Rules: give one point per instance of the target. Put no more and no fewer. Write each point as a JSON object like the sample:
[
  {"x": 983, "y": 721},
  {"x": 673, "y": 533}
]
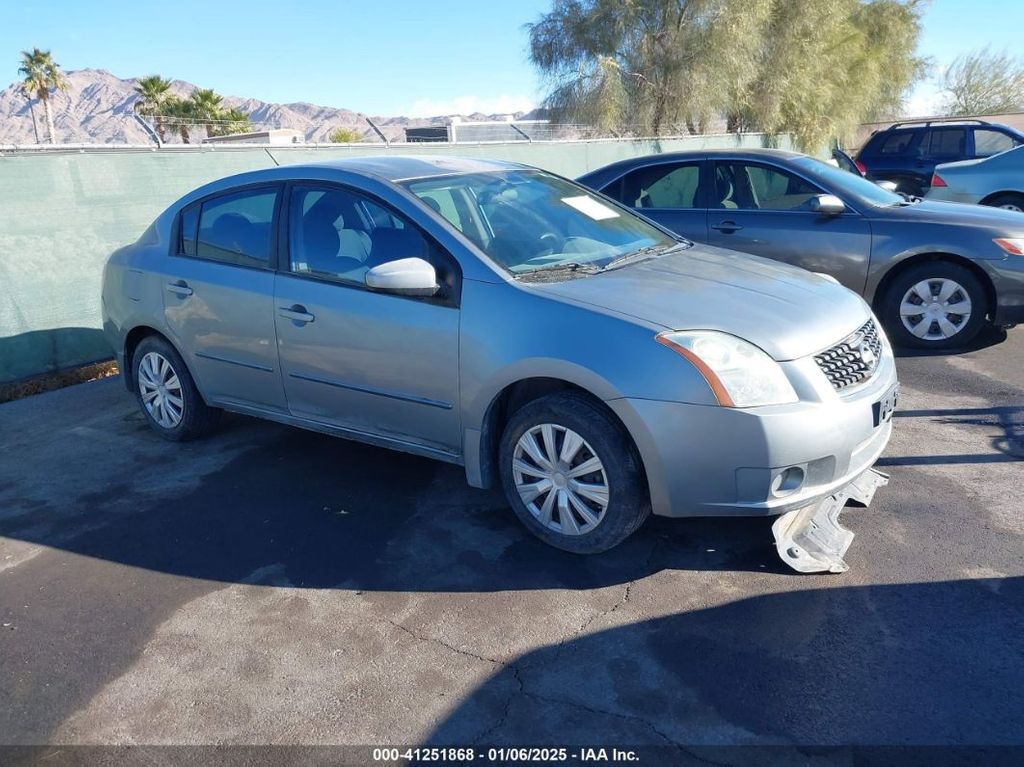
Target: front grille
[{"x": 853, "y": 359}]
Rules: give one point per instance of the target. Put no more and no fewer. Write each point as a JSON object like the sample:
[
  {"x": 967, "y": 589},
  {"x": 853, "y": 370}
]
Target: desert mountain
[{"x": 97, "y": 108}]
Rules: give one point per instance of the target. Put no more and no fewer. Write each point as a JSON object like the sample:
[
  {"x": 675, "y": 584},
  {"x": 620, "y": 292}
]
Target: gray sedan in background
[
  {"x": 505, "y": 319},
  {"x": 935, "y": 273},
  {"x": 997, "y": 181}
]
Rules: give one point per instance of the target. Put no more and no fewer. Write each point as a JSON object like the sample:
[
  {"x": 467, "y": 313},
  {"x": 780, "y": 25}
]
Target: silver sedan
[{"x": 502, "y": 318}]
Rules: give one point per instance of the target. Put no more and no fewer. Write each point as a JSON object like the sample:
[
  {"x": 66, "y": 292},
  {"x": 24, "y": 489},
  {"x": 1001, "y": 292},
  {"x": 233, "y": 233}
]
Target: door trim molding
[
  {"x": 378, "y": 392},
  {"x": 251, "y": 365}
]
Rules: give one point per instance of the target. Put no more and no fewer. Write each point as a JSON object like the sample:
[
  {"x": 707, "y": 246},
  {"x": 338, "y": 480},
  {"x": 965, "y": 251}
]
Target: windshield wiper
[
  {"x": 650, "y": 250},
  {"x": 567, "y": 266}
]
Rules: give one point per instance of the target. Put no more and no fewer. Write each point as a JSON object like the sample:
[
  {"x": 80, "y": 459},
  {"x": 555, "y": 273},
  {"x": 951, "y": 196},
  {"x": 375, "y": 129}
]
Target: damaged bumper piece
[{"x": 811, "y": 540}]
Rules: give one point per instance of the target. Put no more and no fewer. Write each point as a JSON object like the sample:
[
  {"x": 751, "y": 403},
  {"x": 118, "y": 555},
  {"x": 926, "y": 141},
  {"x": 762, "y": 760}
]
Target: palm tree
[
  {"x": 235, "y": 121},
  {"x": 208, "y": 105},
  {"x": 181, "y": 113},
  {"x": 154, "y": 93},
  {"x": 41, "y": 75}
]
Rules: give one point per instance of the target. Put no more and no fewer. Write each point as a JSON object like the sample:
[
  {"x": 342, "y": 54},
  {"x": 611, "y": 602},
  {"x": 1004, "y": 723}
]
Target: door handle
[
  {"x": 728, "y": 227},
  {"x": 296, "y": 313},
  {"x": 180, "y": 288}
]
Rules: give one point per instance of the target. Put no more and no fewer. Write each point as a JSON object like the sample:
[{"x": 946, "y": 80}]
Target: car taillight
[
  {"x": 937, "y": 180},
  {"x": 861, "y": 167}
]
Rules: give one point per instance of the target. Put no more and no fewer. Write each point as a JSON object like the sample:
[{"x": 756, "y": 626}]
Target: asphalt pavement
[{"x": 270, "y": 585}]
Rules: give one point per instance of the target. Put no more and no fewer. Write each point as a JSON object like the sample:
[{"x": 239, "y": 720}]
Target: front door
[
  {"x": 219, "y": 298},
  {"x": 368, "y": 362},
  {"x": 763, "y": 209}
]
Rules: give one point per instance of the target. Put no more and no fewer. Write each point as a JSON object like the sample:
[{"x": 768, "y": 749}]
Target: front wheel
[
  {"x": 572, "y": 475},
  {"x": 935, "y": 305}
]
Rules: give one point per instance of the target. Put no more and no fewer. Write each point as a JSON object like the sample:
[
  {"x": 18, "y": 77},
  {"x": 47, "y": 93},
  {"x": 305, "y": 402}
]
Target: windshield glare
[
  {"x": 527, "y": 220},
  {"x": 860, "y": 187}
]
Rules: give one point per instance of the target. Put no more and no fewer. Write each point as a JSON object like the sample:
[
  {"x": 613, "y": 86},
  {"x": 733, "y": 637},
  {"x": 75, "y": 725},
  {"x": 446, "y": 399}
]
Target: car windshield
[
  {"x": 864, "y": 190},
  {"x": 529, "y": 221}
]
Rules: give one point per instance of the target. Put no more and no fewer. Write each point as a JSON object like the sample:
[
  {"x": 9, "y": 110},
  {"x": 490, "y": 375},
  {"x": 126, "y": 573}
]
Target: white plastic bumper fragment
[{"x": 811, "y": 540}]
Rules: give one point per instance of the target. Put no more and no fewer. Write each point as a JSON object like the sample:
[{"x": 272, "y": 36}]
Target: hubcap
[
  {"x": 160, "y": 390},
  {"x": 935, "y": 310},
  {"x": 1011, "y": 206},
  {"x": 560, "y": 479}
]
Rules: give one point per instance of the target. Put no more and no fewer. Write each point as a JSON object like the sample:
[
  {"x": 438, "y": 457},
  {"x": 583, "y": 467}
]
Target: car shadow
[
  {"x": 326, "y": 512},
  {"x": 989, "y": 336},
  {"x": 918, "y": 663},
  {"x": 1008, "y": 445}
]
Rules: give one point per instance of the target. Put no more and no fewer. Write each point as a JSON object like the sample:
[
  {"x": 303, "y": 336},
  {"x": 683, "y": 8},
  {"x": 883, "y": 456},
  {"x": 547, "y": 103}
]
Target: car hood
[
  {"x": 788, "y": 312},
  {"x": 954, "y": 214}
]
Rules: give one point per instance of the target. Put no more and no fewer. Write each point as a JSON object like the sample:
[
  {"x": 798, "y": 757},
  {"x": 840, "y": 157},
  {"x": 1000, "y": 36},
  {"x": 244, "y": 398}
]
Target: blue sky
[{"x": 414, "y": 57}]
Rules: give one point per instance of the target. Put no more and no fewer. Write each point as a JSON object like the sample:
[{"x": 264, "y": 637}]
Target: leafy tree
[
  {"x": 814, "y": 68},
  {"x": 983, "y": 82},
  {"x": 232, "y": 121},
  {"x": 345, "y": 136},
  {"x": 153, "y": 94},
  {"x": 41, "y": 75}
]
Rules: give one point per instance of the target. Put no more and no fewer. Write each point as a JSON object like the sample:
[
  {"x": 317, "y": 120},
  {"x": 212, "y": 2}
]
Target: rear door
[
  {"x": 218, "y": 296},
  {"x": 940, "y": 145},
  {"x": 373, "y": 363},
  {"x": 670, "y": 193},
  {"x": 761, "y": 208}
]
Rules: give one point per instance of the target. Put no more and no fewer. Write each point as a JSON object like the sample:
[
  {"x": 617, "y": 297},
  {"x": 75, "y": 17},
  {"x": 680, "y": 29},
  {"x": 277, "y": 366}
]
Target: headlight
[
  {"x": 1012, "y": 245},
  {"x": 739, "y": 373}
]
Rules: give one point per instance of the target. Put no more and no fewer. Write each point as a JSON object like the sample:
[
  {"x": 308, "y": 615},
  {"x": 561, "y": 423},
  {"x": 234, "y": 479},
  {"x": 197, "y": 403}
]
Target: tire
[
  {"x": 561, "y": 415},
  {"x": 905, "y": 328},
  {"x": 1007, "y": 202},
  {"x": 166, "y": 393}
]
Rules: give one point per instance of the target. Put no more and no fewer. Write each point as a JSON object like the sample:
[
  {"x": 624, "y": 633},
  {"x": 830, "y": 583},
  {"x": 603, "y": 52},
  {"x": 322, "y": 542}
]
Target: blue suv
[{"x": 907, "y": 153}]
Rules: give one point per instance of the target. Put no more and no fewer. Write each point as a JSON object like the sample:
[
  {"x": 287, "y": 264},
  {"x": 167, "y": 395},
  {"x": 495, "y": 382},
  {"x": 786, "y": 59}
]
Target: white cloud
[
  {"x": 925, "y": 101},
  {"x": 463, "y": 105}
]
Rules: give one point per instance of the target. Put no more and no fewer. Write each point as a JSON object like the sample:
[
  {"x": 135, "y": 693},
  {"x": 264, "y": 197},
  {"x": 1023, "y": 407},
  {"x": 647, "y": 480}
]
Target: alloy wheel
[
  {"x": 936, "y": 309},
  {"x": 160, "y": 389},
  {"x": 560, "y": 479},
  {"x": 1012, "y": 206}
]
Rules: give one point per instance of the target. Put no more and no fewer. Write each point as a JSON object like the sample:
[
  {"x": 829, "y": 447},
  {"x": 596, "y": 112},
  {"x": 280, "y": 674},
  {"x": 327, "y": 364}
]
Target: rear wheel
[
  {"x": 166, "y": 393},
  {"x": 572, "y": 474},
  {"x": 1008, "y": 202},
  {"x": 935, "y": 305}
]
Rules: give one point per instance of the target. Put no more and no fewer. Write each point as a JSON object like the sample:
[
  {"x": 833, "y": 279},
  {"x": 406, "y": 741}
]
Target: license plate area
[{"x": 882, "y": 410}]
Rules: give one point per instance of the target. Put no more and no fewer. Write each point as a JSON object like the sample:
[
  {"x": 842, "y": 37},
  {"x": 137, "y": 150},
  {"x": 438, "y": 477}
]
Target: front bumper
[
  {"x": 715, "y": 461},
  {"x": 1007, "y": 276}
]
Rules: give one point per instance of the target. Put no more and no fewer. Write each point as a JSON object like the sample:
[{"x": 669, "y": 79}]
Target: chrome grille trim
[{"x": 854, "y": 359}]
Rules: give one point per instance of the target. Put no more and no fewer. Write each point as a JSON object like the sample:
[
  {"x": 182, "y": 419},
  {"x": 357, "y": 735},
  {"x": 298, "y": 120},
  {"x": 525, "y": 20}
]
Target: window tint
[
  {"x": 945, "y": 142},
  {"x": 659, "y": 186},
  {"x": 757, "y": 187},
  {"x": 989, "y": 142},
  {"x": 187, "y": 230},
  {"x": 894, "y": 143},
  {"x": 236, "y": 228},
  {"x": 340, "y": 235}
]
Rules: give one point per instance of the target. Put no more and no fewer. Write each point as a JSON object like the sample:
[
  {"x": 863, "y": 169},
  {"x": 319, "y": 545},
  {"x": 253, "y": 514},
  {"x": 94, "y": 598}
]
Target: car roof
[
  {"x": 404, "y": 167},
  {"x": 691, "y": 154}
]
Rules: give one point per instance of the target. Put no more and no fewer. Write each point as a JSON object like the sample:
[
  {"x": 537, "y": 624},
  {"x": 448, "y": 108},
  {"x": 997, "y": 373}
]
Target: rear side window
[
  {"x": 988, "y": 142},
  {"x": 235, "y": 228},
  {"x": 660, "y": 186},
  {"x": 893, "y": 143},
  {"x": 945, "y": 142}
]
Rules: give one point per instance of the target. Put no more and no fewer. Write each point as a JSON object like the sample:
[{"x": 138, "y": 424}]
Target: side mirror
[
  {"x": 406, "y": 276},
  {"x": 827, "y": 205}
]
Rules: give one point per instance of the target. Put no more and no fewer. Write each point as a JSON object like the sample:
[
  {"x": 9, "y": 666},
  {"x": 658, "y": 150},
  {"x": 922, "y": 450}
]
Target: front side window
[
  {"x": 338, "y": 234},
  {"x": 757, "y": 187},
  {"x": 988, "y": 142},
  {"x": 528, "y": 220},
  {"x": 236, "y": 228},
  {"x": 659, "y": 186},
  {"x": 945, "y": 142}
]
